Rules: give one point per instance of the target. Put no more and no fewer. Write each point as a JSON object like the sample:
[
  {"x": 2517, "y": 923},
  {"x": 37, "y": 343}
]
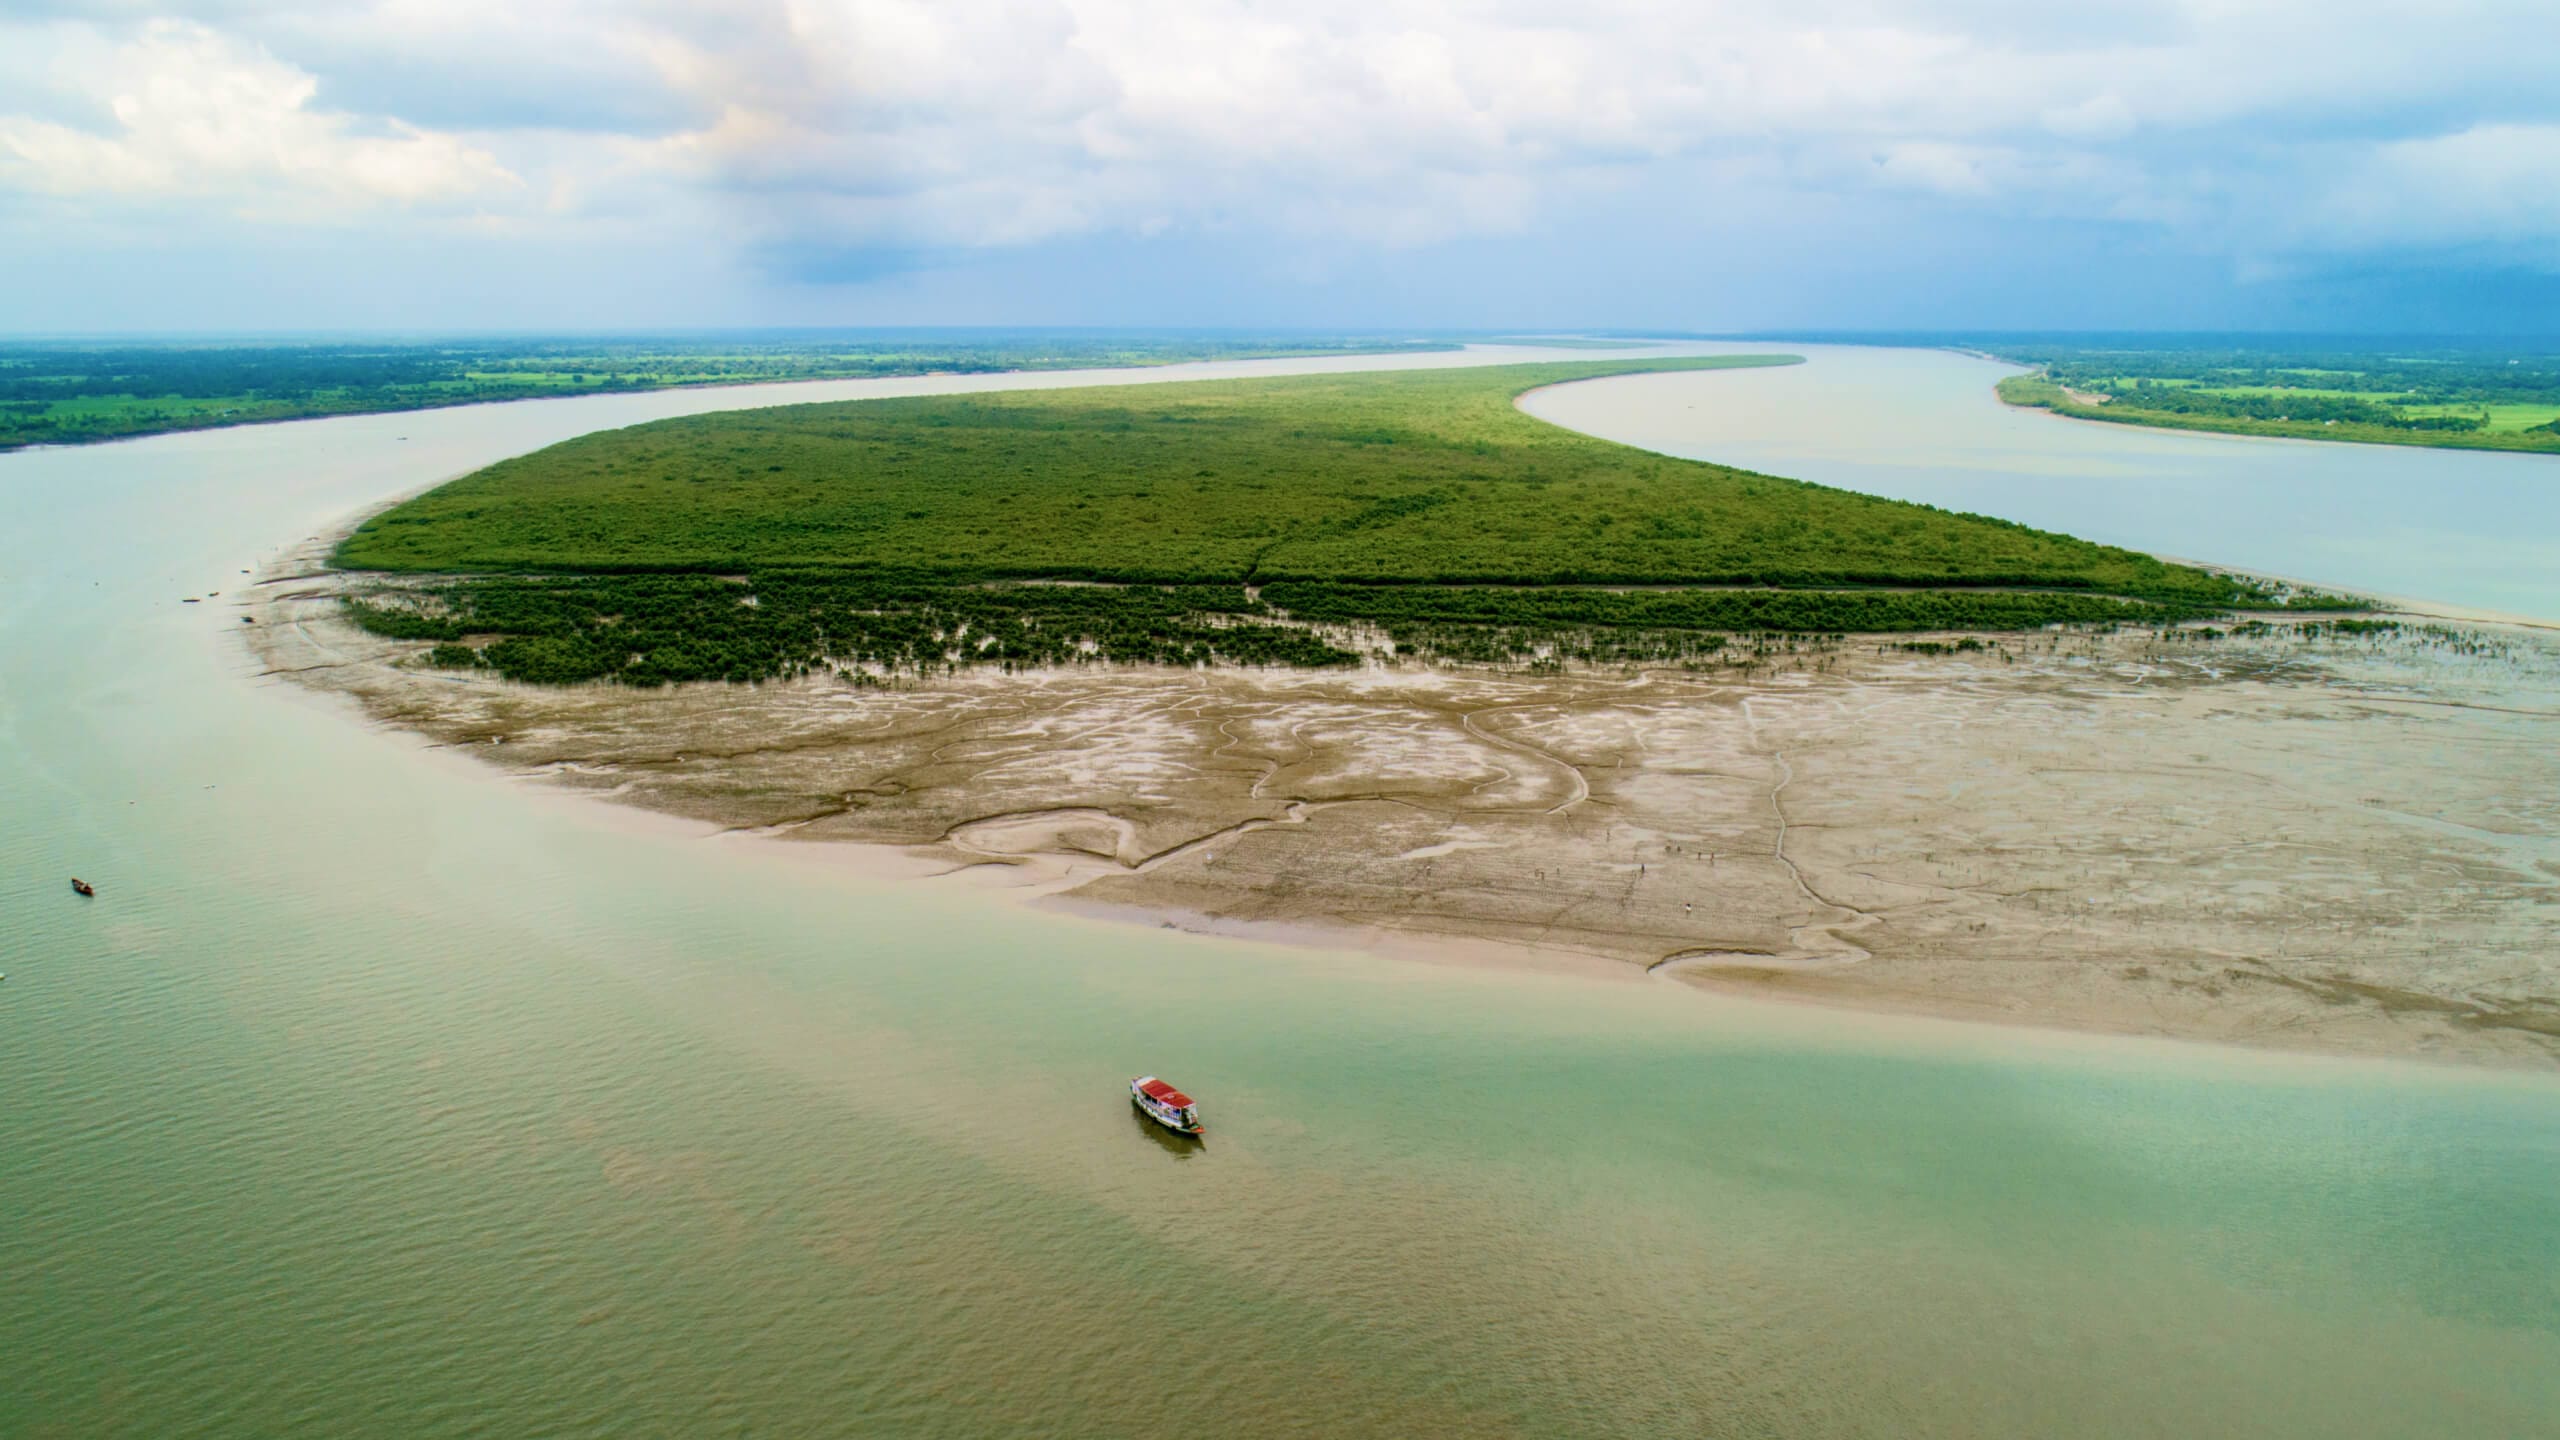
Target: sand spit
[{"x": 2341, "y": 844}]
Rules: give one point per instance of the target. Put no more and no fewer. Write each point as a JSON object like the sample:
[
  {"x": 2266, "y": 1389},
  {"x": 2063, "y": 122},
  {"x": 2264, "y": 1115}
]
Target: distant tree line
[{"x": 62, "y": 392}]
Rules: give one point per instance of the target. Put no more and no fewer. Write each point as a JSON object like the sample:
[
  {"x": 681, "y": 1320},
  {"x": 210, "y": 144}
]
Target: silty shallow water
[
  {"x": 374, "y": 1095},
  {"x": 2467, "y": 528}
]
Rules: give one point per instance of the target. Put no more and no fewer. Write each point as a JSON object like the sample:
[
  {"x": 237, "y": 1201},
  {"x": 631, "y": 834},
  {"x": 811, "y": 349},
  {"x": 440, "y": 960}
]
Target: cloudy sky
[{"x": 1717, "y": 164}]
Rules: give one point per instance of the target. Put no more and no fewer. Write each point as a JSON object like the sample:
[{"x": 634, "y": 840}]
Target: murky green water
[{"x": 376, "y": 1096}]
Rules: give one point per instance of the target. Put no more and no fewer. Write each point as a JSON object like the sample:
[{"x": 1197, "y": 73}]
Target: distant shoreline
[
  {"x": 2018, "y": 392},
  {"x": 186, "y": 426}
]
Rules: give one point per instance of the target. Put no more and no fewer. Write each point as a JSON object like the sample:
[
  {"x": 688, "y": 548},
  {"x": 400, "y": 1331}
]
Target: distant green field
[
  {"x": 68, "y": 393},
  {"x": 2478, "y": 399},
  {"x": 2502, "y": 419},
  {"x": 898, "y": 533},
  {"x": 2495, "y": 418}
]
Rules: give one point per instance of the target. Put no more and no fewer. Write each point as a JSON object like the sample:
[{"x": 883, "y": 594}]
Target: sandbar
[{"x": 2294, "y": 838}]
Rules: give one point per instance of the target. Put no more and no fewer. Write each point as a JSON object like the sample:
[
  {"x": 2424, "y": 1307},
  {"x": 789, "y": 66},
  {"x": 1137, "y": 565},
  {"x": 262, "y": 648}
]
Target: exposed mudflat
[{"x": 2325, "y": 843}]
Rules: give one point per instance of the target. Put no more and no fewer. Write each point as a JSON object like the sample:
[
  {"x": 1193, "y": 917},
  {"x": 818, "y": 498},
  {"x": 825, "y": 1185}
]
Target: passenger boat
[
  {"x": 1165, "y": 1105},
  {"x": 83, "y": 887}
]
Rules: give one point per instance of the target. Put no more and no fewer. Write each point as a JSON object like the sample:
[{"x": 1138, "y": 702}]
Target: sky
[{"x": 1715, "y": 166}]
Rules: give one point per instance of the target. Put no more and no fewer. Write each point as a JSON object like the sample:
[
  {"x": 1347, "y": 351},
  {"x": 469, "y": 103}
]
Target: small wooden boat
[
  {"x": 82, "y": 887},
  {"x": 1165, "y": 1105}
]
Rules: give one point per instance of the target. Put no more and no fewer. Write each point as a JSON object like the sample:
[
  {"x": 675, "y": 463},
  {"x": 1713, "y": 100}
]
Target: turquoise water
[{"x": 375, "y": 1095}]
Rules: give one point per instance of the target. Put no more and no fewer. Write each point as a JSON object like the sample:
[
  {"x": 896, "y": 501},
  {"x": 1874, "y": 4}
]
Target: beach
[{"x": 2295, "y": 839}]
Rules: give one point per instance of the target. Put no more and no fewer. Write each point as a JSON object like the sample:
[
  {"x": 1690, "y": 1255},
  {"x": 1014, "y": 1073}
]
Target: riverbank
[
  {"x": 93, "y": 393},
  {"x": 2290, "y": 838},
  {"x": 2039, "y": 391}
]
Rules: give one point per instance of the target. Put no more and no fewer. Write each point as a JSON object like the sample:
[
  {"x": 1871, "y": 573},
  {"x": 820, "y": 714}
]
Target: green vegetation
[
  {"x": 1416, "y": 476},
  {"x": 1419, "y": 609},
  {"x": 1291, "y": 521},
  {"x": 2419, "y": 393},
  {"x": 64, "y": 393},
  {"x": 656, "y": 629}
]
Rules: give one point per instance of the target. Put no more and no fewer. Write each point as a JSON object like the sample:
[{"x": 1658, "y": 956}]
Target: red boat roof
[{"x": 1160, "y": 1091}]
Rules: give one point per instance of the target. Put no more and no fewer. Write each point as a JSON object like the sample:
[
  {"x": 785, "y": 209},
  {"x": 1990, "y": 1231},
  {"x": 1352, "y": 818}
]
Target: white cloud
[
  {"x": 906, "y": 127},
  {"x": 2101, "y": 117},
  {"x": 893, "y": 123},
  {"x": 189, "y": 113},
  {"x": 1938, "y": 166}
]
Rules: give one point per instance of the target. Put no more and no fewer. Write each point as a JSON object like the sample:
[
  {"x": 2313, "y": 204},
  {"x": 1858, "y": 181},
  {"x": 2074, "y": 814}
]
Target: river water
[
  {"x": 375, "y": 1095},
  {"x": 2469, "y": 528}
]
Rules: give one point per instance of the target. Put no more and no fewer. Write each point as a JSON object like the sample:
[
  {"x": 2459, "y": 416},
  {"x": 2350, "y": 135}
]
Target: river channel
[{"x": 376, "y": 1095}]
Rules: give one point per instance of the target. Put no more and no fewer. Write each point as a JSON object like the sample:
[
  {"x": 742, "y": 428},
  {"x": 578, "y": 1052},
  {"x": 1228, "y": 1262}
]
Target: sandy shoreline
[{"x": 2345, "y": 846}]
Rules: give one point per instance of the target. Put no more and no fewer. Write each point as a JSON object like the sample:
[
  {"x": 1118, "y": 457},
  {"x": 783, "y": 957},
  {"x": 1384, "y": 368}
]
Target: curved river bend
[
  {"x": 2470, "y": 528},
  {"x": 376, "y": 1096}
]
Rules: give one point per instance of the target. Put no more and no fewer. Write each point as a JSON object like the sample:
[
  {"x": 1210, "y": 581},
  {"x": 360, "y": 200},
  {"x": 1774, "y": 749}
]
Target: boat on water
[
  {"x": 82, "y": 887},
  {"x": 1165, "y": 1105}
]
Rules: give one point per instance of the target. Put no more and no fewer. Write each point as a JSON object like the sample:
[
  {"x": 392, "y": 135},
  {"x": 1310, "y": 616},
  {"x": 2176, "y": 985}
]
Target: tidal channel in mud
[{"x": 2296, "y": 837}]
